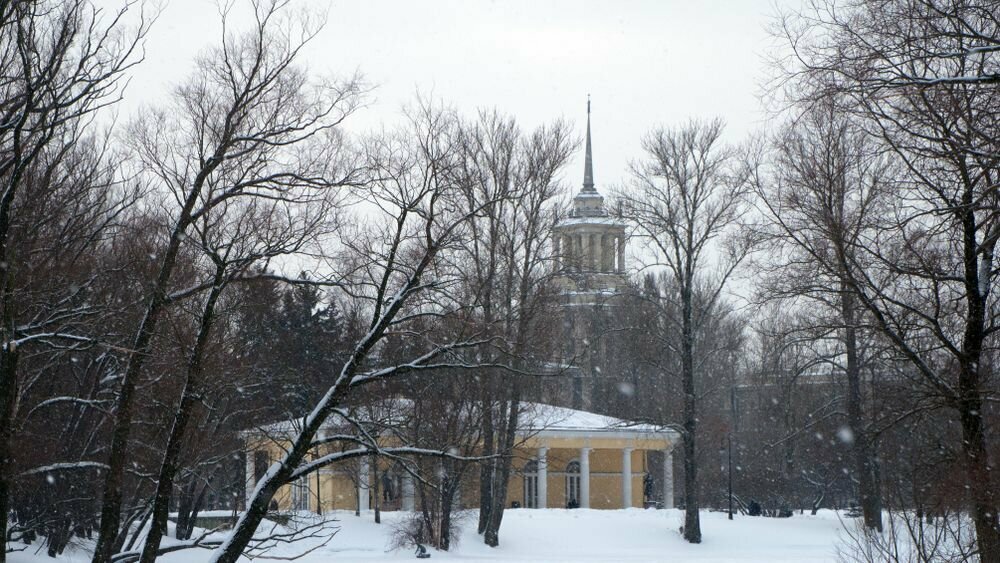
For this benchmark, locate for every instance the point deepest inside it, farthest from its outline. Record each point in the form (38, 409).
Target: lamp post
(727, 450)
(729, 444)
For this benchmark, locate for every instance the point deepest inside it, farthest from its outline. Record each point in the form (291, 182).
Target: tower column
(555, 250)
(596, 254)
(621, 254)
(609, 256)
(578, 253)
(602, 243)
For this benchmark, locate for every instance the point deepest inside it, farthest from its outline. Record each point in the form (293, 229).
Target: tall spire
(588, 166)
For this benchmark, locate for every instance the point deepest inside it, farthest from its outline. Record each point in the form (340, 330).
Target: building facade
(564, 458)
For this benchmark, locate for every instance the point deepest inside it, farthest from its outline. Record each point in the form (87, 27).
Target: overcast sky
(643, 62)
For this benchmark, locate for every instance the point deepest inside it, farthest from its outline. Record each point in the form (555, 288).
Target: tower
(590, 246)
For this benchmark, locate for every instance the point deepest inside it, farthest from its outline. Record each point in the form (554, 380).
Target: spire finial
(588, 165)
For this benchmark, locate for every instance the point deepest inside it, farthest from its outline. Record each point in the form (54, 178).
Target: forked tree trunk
(114, 477)
(491, 536)
(189, 397)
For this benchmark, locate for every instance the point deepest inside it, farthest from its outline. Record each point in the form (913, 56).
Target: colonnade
(592, 252)
(407, 488)
(626, 475)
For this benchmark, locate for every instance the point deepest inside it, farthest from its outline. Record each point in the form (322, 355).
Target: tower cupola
(589, 243)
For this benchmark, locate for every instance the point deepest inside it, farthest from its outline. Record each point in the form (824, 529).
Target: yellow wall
(338, 491)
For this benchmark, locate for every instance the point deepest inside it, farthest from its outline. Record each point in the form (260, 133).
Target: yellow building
(564, 458)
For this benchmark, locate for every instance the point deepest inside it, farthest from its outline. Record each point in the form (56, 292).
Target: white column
(579, 254)
(598, 253)
(668, 479)
(251, 478)
(363, 485)
(627, 478)
(555, 250)
(584, 477)
(621, 254)
(407, 492)
(543, 478)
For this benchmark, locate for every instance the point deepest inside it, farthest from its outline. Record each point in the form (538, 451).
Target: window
(531, 484)
(573, 484)
(300, 493)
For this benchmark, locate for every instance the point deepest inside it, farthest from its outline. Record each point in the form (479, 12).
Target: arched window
(531, 484)
(573, 484)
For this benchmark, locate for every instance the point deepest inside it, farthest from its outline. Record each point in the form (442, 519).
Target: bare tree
(236, 237)
(61, 63)
(920, 75)
(823, 192)
(249, 124)
(399, 270)
(507, 262)
(683, 201)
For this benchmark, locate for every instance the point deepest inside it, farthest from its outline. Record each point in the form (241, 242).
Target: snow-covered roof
(538, 416)
(536, 419)
(609, 221)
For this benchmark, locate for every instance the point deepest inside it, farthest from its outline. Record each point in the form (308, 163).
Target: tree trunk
(8, 393)
(487, 471)
(199, 501)
(502, 474)
(376, 497)
(984, 509)
(692, 522)
(447, 501)
(864, 462)
(185, 506)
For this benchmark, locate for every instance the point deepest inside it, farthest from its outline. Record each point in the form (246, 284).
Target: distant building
(564, 458)
(590, 249)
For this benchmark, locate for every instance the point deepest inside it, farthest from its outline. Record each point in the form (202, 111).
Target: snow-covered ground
(556, 535)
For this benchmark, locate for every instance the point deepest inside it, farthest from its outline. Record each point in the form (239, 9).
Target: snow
(559, 535)
(539, 416)
(608, 221)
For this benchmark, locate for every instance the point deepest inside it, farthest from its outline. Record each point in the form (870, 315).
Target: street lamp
(727, 450)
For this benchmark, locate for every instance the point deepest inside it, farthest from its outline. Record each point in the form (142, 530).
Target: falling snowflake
(846, 435)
